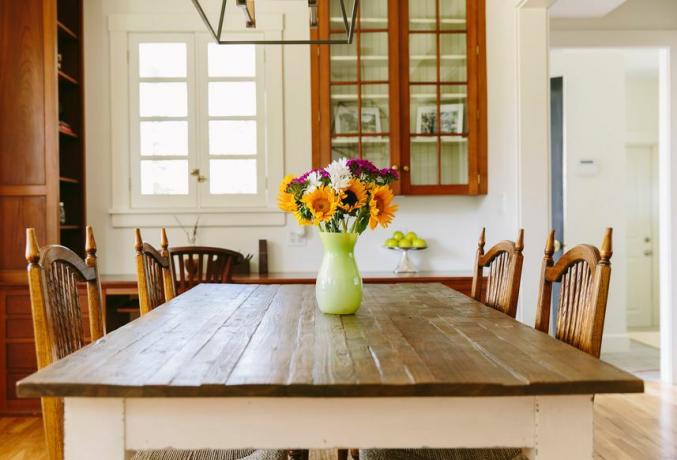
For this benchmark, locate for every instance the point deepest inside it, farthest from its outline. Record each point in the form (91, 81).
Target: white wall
(594, 129)
(451, 224)
(641, 117)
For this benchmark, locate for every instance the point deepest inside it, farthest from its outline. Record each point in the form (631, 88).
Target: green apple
(397, 236)
(391, 243)
(404, 243)
(411, 236)
(419, 243)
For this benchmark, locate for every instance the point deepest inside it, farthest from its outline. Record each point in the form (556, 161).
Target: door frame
(666, 43)
(655, 288)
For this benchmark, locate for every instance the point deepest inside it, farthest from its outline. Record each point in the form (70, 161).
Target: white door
(642, 220)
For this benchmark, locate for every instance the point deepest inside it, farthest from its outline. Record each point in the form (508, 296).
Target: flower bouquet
(342, 200)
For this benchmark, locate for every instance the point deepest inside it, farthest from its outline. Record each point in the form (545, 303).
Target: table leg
(563, 428)
(94, 428)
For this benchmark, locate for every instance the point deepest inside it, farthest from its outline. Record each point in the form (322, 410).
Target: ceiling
(583, 8)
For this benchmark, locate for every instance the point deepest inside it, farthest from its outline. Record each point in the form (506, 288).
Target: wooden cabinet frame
(399, 97)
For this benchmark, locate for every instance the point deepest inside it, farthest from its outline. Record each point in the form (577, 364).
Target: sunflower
(382, 210)
(285, 200)
(353, 197)
(302, 219)
(322, 204)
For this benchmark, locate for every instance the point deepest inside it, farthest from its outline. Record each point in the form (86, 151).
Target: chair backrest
(54, 273)
(584, 273)
(154, 274)
(192, 265)
(504, 261)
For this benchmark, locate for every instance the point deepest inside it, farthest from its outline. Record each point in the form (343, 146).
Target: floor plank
(641, 427)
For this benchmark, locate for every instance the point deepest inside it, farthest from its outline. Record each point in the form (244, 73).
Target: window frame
(241, 213)
(140, 200)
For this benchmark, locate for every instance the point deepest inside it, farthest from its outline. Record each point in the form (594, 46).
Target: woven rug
(210, 454)
(442, 454)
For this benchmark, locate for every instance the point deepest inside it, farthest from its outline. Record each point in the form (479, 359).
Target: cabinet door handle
(405, 168)
(395, 167)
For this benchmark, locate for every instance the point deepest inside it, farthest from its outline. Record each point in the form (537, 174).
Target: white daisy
(339, 174)
(314, 182)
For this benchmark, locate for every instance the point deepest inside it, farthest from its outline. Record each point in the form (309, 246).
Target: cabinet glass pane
(423, 57)
(374, 56)
(343, 60)
(423, 109)
(424, 164)
(375, 109)
(373, 13)
(454, 158)
(453, 15)
(454, 110)
(344, 109)
(344, 147)
(422, 14)
(453, 55)
(376, 150)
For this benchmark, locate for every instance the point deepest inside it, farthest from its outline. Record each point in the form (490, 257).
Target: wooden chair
(153, 272)
(504, 261)
(192, 265)
(583, 273)
(54, 273)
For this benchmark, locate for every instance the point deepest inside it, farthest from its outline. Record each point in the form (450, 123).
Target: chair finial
(138, 242)
(606, 250)
(550, 245)
(519, 244)
(164, 242)
(90, 247)
(482, 241)
(32, 247)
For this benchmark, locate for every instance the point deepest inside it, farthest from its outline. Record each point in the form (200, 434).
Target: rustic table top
(256, 340)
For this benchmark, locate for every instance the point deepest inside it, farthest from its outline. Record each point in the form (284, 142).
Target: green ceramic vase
(339, 285)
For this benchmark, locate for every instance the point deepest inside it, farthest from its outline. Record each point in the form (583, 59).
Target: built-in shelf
(70, 227)
(65, 30)
(63, 76)
(65, 132)
(433, 139)
(369, 97)
(365, 140)
(414, 57)
(68, 180)
(384, 20)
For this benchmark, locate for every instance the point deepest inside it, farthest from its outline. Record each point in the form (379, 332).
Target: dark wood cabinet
(409, 92)
(42, 161)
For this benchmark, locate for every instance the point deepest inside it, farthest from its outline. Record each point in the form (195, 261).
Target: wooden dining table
(241, 366)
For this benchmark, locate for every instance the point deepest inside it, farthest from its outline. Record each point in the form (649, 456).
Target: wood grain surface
(270, 340)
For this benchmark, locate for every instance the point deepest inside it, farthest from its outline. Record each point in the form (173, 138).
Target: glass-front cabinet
(409, 92)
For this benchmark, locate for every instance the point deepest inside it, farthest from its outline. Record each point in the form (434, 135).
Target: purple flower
(358, 166)
(302, 179)
(389, 173)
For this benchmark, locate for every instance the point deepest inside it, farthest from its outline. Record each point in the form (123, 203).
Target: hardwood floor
(641, 427)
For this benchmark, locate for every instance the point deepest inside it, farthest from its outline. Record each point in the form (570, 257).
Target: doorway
(604, 156)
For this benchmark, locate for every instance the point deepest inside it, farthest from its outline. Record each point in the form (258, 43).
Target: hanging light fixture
(213, 13)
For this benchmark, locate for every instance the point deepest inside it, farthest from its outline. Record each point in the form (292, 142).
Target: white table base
(546, 427)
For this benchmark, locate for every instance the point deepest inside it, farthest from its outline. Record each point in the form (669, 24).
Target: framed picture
(346, 119)
(451, 116)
